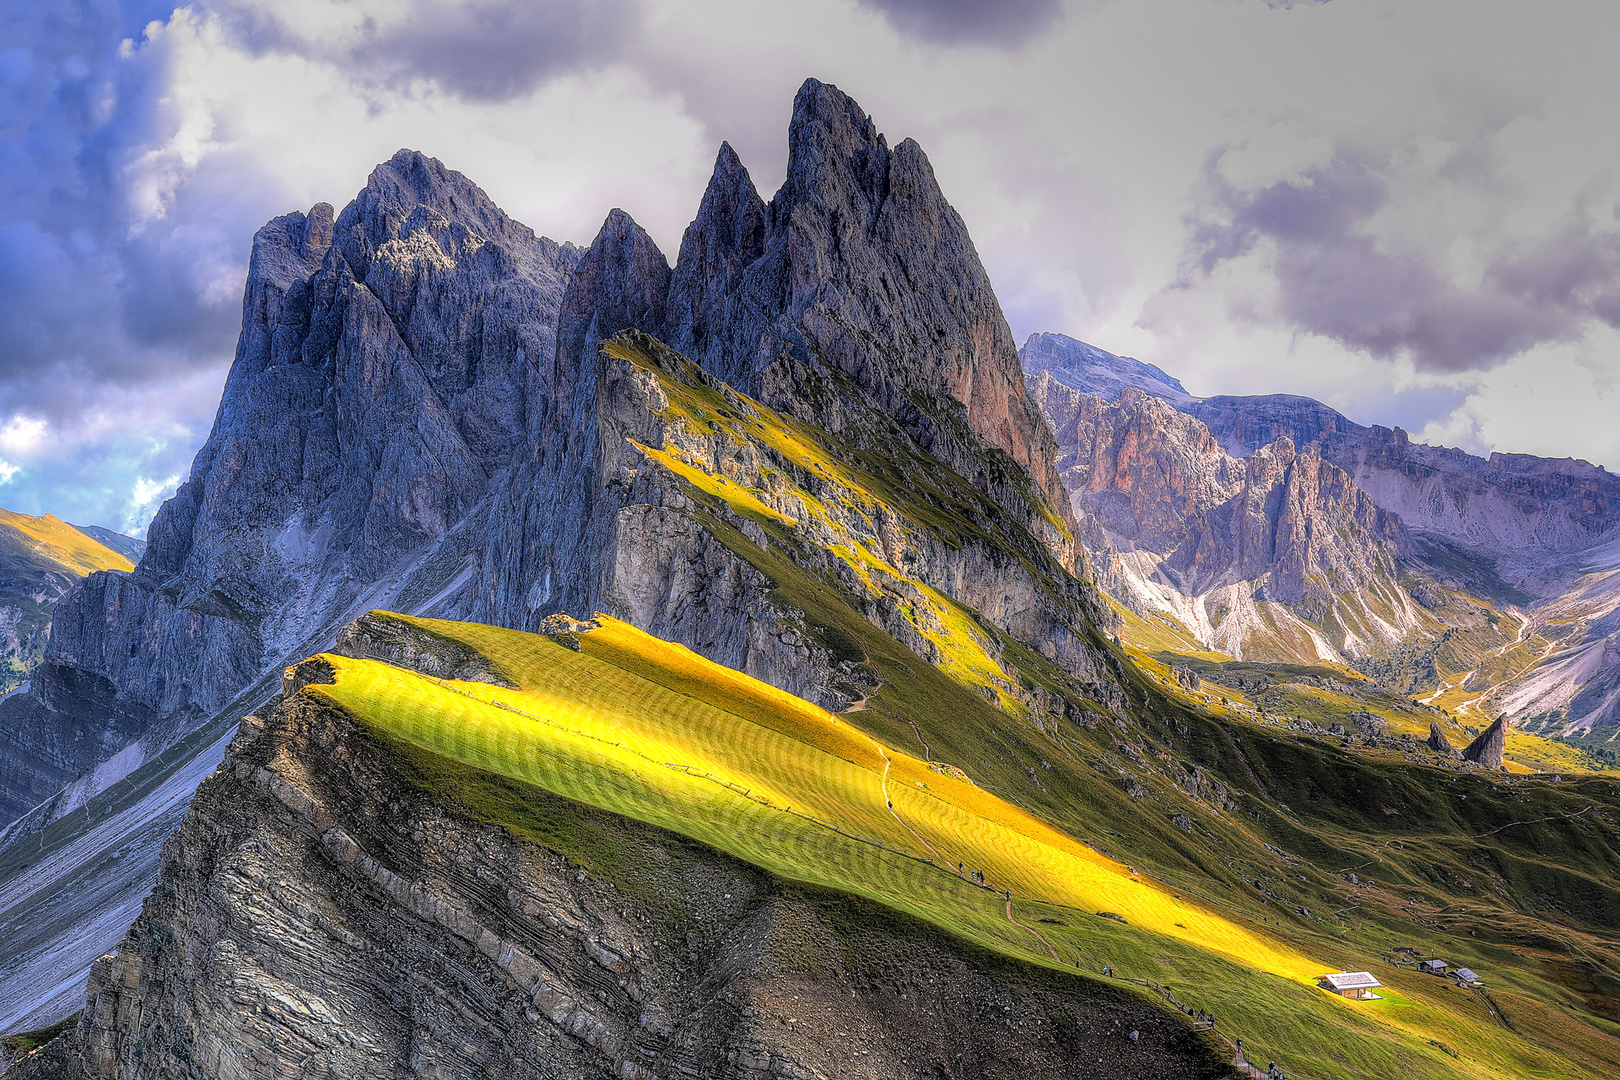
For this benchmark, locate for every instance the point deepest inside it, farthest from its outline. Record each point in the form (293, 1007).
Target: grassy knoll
(652, 732)
(54, 541)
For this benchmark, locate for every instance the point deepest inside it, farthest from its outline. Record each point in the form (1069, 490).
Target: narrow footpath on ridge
(888, 802)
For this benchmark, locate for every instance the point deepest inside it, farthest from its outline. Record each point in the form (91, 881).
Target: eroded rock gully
(318, 915)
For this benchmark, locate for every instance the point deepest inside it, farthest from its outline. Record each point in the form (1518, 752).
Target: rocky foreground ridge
(317, 914)
(422, 416)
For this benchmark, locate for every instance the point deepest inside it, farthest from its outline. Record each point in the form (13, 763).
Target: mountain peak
(727, 235)
(405, 185)
(1087, 368)
(861, 270)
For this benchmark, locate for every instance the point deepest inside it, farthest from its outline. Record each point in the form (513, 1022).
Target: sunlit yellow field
(62, 543)
(632, 709)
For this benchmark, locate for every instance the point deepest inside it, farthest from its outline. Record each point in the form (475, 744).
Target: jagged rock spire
(621, 284)
(727, 235)
(1487, 749)
(859, 269)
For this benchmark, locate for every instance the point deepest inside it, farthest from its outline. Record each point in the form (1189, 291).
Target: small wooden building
(1433, 967)
(1465, 977)
(1351, 984)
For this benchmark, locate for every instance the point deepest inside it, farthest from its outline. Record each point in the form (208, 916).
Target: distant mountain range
(1273, 528)
(41, 558)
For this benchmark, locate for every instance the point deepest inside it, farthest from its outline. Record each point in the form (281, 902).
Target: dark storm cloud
(1003, 23)
(479, 50)
(1334, 278)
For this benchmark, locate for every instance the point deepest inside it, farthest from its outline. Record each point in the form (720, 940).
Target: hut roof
(1351, 980)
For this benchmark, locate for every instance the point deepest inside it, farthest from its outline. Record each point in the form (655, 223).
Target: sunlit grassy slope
(55, 541)
(650, 731)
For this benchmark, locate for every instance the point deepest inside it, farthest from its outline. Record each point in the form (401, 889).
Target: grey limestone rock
(1487, 749)
(1146, 477)
(863, 270)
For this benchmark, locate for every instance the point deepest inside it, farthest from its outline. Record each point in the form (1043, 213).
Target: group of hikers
(972, 875)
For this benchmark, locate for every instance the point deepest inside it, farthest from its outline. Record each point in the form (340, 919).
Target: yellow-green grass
(647, 711)
(650, 731)
(61, 543)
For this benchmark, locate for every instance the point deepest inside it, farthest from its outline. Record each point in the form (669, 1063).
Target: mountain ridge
(1529, 538)
(480, 426)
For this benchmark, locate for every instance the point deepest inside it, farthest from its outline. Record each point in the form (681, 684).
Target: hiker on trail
(891, 804)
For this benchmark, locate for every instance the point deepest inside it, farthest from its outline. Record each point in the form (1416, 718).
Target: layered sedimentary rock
(318, 914)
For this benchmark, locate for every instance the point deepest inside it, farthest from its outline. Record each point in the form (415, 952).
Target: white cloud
(22, 434)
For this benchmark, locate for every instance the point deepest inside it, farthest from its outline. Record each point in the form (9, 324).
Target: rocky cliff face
(1527, 518)
(42, 559)
(435, 411)
(1176, 523)
(416, 409)
(1509, 541)
(860, 270)
(1522, 515)
(317, 914)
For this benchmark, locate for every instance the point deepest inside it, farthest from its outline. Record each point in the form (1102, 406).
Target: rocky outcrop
(318, 913)
(1437, 739)
(860, 270)
(376, 636)
(1487, 749)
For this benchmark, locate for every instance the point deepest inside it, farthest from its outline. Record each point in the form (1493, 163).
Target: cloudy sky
(1409, 209)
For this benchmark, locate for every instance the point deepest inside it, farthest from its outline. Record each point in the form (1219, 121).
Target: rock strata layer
(318, 914)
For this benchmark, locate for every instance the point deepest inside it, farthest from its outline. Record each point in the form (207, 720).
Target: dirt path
(1037, 933)
(888, 802)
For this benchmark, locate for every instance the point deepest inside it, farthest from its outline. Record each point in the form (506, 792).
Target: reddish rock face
(1154, 479)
